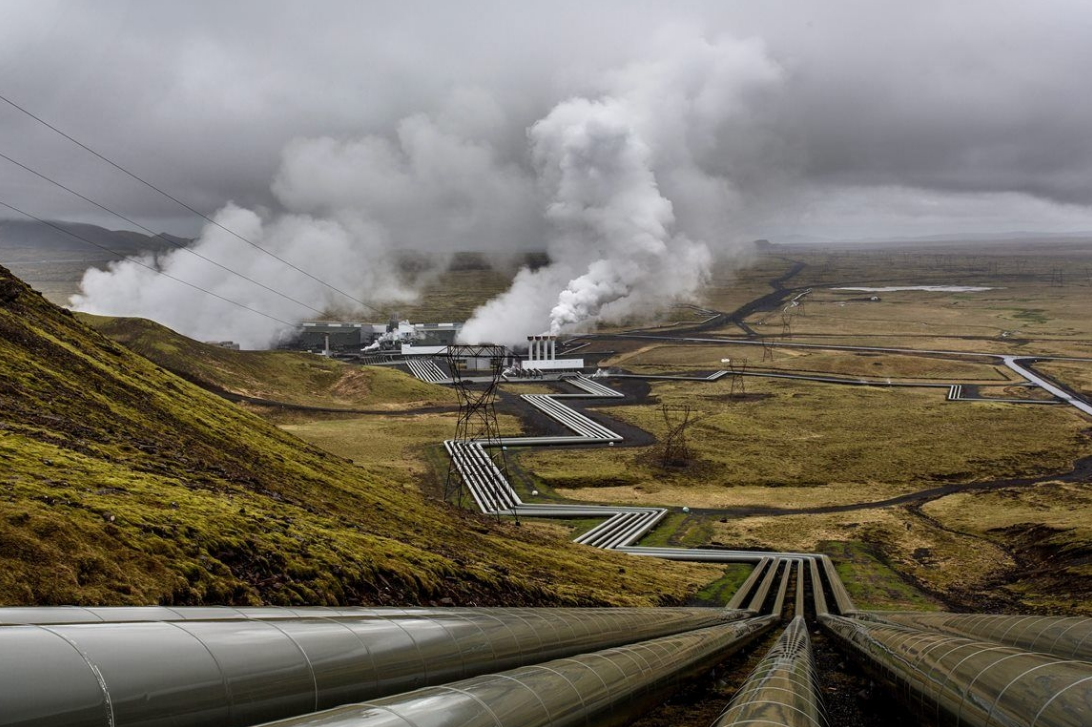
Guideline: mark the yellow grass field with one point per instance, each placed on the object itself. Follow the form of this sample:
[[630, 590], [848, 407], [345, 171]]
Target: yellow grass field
[[844, 443]]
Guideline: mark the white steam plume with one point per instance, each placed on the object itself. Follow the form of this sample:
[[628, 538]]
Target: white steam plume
[[634, 187], [639, 188], [348, 253], [612, 216], [351, 205], [437, 186]]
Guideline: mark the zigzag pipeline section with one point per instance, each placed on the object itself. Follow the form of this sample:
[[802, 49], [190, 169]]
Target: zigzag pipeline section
[[956, 392], [494, 495], [427, 370], [623, 526]]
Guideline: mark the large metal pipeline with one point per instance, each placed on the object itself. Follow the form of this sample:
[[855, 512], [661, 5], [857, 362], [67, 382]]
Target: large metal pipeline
[[837, 588], [783, 688], [748, 585], [798, 605], [706, 555], [779, 600], [46, 615], [958, 681], [1065, 637], [758, 600], [258, 665], [821, 608], [605, 688]]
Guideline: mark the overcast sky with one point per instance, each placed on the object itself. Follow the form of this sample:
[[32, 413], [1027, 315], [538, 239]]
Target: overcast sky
[[878, 119]]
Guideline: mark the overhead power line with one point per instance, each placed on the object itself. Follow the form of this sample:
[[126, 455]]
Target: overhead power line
[[179, 202], [161, 236], [137, 261]]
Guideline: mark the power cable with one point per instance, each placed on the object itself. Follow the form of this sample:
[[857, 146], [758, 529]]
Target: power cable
[[143, 264], [179, 202], [161, 236]]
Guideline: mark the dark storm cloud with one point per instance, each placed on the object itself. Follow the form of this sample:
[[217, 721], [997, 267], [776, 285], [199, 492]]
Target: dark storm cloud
[[966, 97], [959, 99], [636, 142]]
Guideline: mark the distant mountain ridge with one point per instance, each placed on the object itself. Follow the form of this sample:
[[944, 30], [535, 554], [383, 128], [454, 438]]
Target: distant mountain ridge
[[53, 262], [965, 237], [40, 237]]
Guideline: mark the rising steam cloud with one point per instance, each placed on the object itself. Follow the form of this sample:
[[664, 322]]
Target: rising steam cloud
[[346, 253], [635, 190], [352, 205], [632, 186]]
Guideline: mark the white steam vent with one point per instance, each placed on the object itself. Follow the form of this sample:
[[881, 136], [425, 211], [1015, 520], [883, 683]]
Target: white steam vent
[[542, 348], [542, 356]]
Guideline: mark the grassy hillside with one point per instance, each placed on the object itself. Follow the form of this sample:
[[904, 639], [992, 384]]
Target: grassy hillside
[[121, 483], [283, 376]]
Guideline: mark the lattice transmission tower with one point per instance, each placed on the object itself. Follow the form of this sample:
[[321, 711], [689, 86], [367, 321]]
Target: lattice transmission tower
[[786, 325], [738, 367], [675, 450], [477, 407]]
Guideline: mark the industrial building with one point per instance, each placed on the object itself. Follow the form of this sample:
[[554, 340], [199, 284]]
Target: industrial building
[[422, 340], [328, 336], [392, 337], [427, 339]]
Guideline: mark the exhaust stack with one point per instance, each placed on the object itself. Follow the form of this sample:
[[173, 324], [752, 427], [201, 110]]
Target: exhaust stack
[[541, 348]]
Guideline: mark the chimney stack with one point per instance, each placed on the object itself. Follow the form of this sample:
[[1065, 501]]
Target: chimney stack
[[541, 348]]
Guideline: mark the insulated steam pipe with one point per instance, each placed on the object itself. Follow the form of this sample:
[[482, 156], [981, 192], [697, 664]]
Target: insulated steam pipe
[[1065, 637], [837, 588], [261, 666], [779, 600], [745, 588], [603, 689], [707, 555], [799, 605], [758, 600], [953, 680], [783, 689], [817, 590], [45, 615]]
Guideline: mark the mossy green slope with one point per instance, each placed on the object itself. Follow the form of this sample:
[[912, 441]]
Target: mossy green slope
[[121, 483], [283, 376]]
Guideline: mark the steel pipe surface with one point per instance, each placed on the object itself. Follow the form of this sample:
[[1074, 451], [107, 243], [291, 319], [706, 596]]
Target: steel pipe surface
[[779, 600], [783, 688], [705, 555], [1065, 637], [258, 665], [745, 588], [817, 590], [758, 600], [45, 615], [837, 588], [604, 688], [958, 681], [798, 606]]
